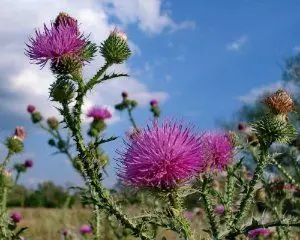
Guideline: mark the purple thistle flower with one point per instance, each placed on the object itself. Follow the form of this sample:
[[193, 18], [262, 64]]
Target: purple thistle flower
[[30, 108], [99, 113], [264, 232], [216, 149], [219, 209], [28, 163], [189, 215], [85, 229], [20, 133], [16, 217], [161, 156], [153, 102], [54, 43]]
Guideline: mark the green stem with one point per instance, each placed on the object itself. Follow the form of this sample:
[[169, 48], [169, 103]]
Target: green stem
[[229, 191], [95, 186], [177, 213], [245, 230], [17, 177], [285, 173], [131, 119], [209, 210], [244, 206], [98, 222]]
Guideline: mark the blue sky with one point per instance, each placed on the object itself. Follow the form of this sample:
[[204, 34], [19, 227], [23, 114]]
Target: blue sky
[[201, 60]]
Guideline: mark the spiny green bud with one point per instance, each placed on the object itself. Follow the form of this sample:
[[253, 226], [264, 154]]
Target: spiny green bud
[[133, 103], [274, 129], [62, 90], [155, 110], [61, 144], [51, 142], [20, 167], [14, 145], [36, 117], [53, 123], [115, 48], [67, 65], [97, 126]]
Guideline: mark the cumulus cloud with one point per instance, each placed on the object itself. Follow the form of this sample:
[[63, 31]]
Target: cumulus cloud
[[147, 14], [25, 83], [256, 93], [237, 44]]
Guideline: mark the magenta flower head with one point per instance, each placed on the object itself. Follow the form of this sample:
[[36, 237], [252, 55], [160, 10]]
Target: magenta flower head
[[16, 217], [153, 102], [55, 43], [28, 163], [125, 94], [189, 215], [85, 229], [20, 133], [219, 209], [99, 113], [259, 232], [217, 150], [161, 156], [30, 108]]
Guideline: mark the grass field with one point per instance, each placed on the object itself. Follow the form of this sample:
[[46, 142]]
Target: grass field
[[47, 224]]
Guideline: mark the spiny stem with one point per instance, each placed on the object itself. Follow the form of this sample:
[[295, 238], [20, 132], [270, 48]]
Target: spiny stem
[[209, 209], [177, 213], [229, 190], [249, 194], [284, 172]]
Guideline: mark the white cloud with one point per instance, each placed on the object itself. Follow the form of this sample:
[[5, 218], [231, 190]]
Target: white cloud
[[148, 14], [256, 93], [297, 49], [168, 78], [25, 83], [237, 44], [180, 58]]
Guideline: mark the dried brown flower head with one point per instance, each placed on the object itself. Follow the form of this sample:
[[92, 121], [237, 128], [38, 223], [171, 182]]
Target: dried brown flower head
[[280, 102]]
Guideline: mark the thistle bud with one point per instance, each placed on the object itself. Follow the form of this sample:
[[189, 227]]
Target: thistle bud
[[280, 102], [36, 117], [53, 123], [242, 126], [260, 195], [14, 145], [67, 65], [61, 144], [115, 48], [51, 142], [62, 90], [133, 103]]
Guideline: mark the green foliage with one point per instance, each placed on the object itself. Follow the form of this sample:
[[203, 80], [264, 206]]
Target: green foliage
[[46, 195]]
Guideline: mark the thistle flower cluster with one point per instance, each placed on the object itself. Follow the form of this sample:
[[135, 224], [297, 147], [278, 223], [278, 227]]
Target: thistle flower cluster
[[99, 116], [162, 156], [126, 103], [165, 155], [36, 116], [154, 108]]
